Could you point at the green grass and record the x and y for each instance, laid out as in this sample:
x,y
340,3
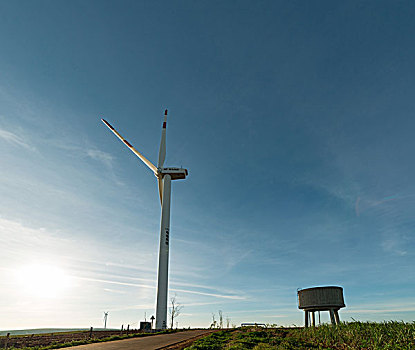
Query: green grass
x,y
353,335
215,341
363,335
249,338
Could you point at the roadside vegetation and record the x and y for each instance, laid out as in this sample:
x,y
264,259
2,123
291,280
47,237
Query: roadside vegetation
x,y
353,335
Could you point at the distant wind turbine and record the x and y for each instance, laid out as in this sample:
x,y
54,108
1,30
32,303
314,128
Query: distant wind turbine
x,y
105,319
164,177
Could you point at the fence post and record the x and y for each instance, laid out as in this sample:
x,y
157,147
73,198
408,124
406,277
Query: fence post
x,y
7,341
90,333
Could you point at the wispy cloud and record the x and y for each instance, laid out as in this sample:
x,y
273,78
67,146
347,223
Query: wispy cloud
x,y
203,304
140,285
394,246
115,282
114,291
19,241
107,160
14,139
224,296
127,266
200,286
262,311
393,242
101,156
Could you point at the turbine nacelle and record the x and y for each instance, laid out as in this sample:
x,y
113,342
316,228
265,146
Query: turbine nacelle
x,y
175,173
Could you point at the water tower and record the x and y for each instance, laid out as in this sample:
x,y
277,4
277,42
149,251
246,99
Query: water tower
x,y
321,299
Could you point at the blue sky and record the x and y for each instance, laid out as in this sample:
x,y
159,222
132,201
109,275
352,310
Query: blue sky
x,y
295,120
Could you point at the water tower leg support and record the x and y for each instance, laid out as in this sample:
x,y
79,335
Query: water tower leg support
x,y
333,320
313,319
336,316
306,318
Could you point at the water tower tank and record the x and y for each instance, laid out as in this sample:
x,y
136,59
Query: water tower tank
x,y
321,299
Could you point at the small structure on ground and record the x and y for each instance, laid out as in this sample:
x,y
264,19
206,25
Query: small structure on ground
x,y
314,299
145,326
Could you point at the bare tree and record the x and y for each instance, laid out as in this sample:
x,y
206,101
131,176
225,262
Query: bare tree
x,y
174,310
213,325
220,319
228,321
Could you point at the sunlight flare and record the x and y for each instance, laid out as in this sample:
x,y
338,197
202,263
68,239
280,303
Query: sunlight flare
x,y
43,280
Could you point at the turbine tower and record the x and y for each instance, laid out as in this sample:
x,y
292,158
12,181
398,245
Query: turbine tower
x,y
164,177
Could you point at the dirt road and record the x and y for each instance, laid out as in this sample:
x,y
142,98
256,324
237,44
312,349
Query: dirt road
x,y
152,342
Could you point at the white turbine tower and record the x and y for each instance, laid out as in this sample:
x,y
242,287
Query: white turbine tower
x,y
164,177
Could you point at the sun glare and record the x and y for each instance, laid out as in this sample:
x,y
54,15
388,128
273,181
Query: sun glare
x,y
43,280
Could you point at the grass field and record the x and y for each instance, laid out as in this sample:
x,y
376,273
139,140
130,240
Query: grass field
x,y
353,335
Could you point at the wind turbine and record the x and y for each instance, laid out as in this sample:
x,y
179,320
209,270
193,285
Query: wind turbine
x,y
105,319
164,177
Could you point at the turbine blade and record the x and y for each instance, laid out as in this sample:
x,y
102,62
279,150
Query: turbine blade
x,y
160,183
162,151
138,154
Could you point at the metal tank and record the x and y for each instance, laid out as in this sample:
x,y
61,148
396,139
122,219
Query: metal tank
x,y
314,299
